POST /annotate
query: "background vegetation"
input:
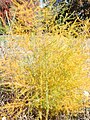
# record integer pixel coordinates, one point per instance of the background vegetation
(43, 71)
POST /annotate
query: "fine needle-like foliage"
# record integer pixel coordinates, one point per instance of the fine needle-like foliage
(43, 74)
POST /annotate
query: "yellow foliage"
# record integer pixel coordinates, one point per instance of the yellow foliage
(46, 75)
(44, 71)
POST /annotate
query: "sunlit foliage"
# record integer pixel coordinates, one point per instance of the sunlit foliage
(43, 72)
